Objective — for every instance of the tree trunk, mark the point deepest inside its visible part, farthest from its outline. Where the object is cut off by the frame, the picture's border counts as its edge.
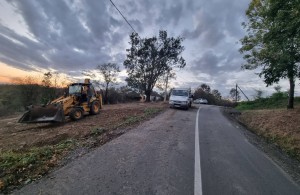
(106, 94)
(166, 87)
(148, 94)
(291, 93)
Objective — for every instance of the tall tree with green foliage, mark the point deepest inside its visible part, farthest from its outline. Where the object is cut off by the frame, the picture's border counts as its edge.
(205, 88)
(273, 41)
(216, 94)
(148, 59)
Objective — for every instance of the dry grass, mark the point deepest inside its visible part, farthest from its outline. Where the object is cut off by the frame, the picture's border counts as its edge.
(280, 126)
(28, 151)
(17, 136)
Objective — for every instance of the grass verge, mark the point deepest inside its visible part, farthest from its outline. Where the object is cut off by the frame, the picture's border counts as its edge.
(151, 111)
(266, 103)
(137, 118)
(22, 167)
(278, 126)
(18, 167)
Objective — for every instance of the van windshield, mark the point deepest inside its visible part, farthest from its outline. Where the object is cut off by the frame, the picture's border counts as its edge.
(179, 93)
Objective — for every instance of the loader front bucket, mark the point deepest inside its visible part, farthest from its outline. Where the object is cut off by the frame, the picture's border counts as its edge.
(43, 114)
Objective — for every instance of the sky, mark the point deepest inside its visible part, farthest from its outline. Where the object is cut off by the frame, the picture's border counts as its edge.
(69, 36)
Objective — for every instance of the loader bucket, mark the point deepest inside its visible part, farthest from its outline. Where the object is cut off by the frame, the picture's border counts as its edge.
(43, 114)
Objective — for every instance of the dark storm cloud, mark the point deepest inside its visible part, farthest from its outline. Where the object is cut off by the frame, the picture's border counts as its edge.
(138, 26)
(215, 33)
(171, 14)
(67, 36)
(74, 35)
(213, 19)
(78, 35)
(18, 51)
(207, 28)
(214, 64)
(207, 63)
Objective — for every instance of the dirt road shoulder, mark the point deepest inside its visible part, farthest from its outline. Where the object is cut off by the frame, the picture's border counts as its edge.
(289, 164)
(29, 151)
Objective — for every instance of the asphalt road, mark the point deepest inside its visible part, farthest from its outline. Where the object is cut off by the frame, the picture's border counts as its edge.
(158, 157)
(232, 165)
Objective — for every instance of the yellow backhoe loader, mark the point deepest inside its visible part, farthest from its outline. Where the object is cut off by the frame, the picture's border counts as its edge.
(81, 98)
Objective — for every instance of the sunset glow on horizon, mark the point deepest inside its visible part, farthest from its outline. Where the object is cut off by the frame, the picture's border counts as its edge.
(8, 74)
(11, 75)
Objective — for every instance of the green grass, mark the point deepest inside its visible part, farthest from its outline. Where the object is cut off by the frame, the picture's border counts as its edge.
(266, 103)
(97, 131)
(131, 120)
(19, 166)
(151, 111)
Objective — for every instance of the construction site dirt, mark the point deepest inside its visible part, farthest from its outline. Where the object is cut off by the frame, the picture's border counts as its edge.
(15, 136)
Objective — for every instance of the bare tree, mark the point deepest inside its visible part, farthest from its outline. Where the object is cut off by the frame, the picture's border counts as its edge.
(47, 79)
(109, 71)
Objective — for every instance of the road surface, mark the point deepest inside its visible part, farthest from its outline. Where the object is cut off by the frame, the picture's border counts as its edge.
(163, 156)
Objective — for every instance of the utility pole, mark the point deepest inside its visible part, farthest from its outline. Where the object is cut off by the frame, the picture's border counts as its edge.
(236, 92)
(243, 93)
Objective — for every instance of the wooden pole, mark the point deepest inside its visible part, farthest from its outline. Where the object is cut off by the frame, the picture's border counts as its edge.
(236, 93)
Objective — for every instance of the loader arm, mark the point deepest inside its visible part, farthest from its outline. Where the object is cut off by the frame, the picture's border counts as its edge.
(68, 103)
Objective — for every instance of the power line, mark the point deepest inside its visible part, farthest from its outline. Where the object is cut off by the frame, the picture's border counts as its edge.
(133, 28)
(122, 16)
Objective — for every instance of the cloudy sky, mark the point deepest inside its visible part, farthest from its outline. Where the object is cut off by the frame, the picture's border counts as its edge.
(69, 36)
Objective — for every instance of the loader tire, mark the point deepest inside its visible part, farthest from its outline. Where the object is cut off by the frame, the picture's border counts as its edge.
(76, 114)
(95, 107)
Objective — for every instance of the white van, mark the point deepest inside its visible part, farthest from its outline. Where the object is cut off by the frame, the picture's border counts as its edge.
(181, 98)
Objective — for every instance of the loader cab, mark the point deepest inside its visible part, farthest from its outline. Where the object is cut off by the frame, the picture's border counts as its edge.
(80, 91)
(75, 89)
